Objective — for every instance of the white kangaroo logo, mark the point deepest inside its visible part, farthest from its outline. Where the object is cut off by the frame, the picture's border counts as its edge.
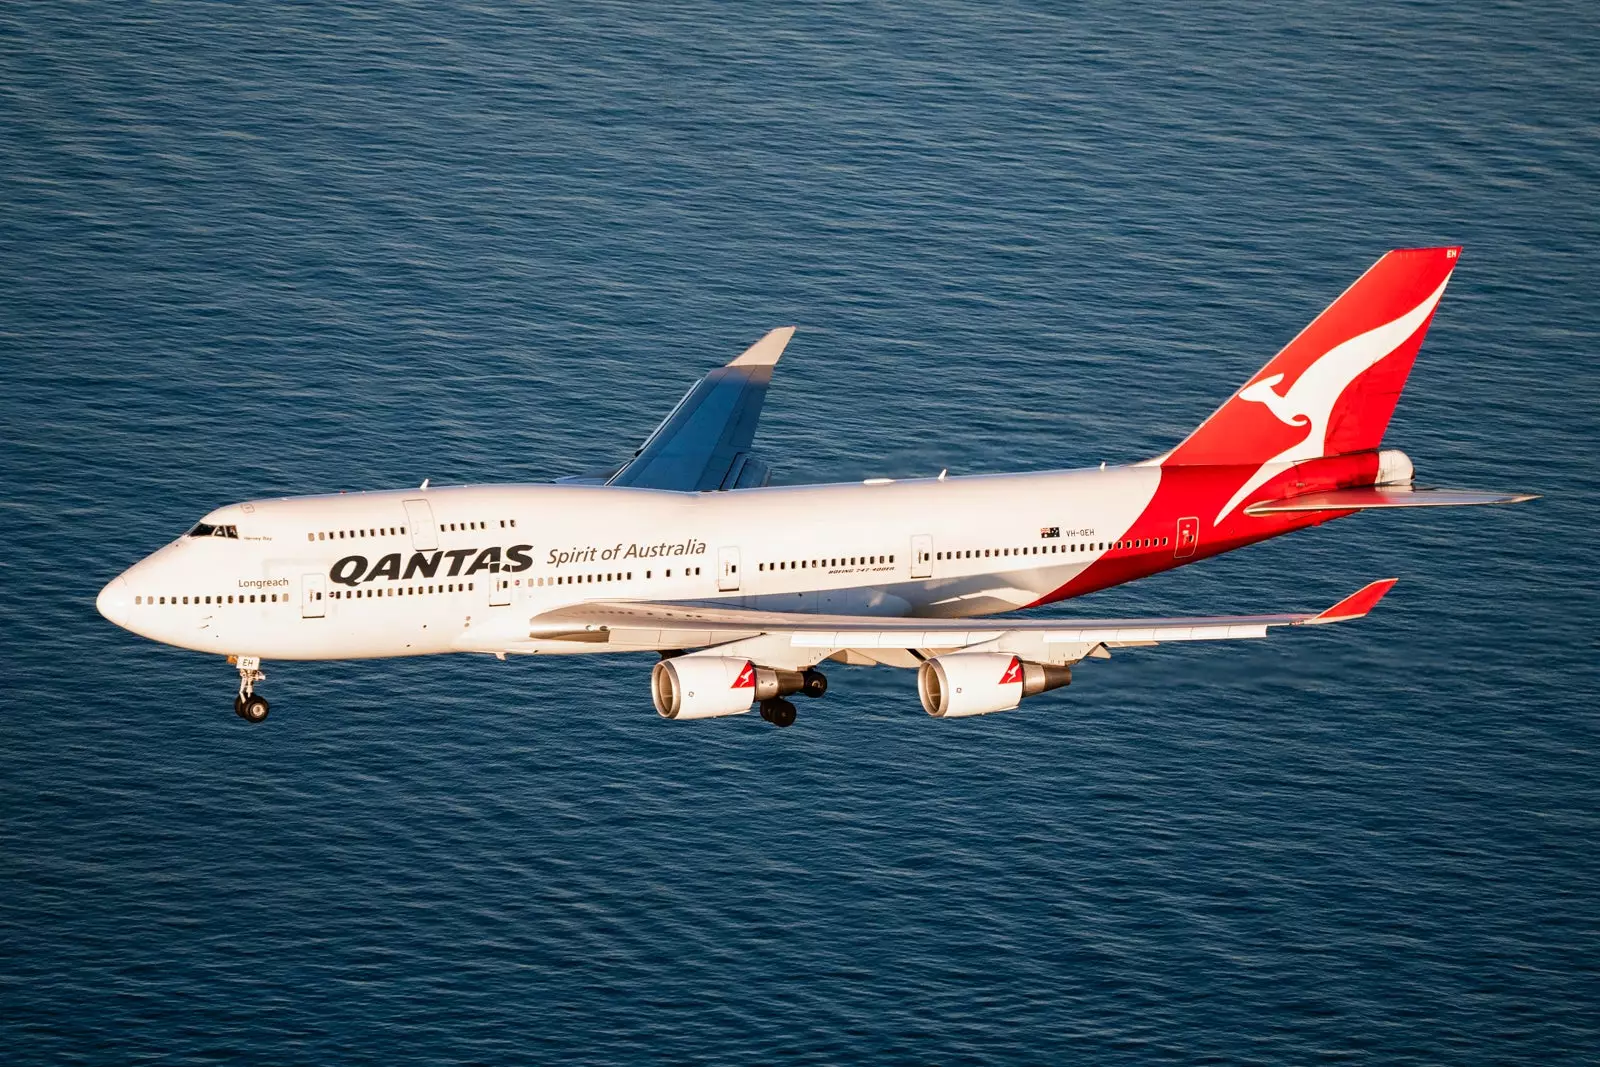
(1311, 399)
(1286, 408)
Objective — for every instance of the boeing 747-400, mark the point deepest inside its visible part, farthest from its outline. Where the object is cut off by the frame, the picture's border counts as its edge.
(744, 589)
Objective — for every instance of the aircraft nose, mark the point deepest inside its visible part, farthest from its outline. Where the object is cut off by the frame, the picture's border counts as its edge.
(114, 601)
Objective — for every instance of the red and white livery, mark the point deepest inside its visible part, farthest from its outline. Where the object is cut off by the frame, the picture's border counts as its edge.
(744, 589)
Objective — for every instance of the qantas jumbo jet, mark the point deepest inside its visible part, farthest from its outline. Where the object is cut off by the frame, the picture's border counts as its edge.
(743, 589)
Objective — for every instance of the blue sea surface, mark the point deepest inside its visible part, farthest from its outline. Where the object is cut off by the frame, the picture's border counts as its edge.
(261, 249)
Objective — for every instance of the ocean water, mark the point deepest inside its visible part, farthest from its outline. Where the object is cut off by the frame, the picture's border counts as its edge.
(262, 249)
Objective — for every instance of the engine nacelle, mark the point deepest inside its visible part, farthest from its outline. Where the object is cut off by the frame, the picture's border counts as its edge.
(977, 683)
(702, 687)
(706, 687)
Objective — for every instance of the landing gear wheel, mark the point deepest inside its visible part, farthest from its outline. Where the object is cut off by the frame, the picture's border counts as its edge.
(778, 712)
(253, 709)
(247, 705)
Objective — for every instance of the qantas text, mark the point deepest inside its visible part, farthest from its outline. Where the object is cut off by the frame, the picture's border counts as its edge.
(353, 570)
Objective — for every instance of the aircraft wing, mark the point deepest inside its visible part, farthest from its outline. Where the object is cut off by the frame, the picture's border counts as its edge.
(792, 639)
(703, 444)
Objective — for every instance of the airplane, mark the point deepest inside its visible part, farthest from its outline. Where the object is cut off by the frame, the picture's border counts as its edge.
(743, 589)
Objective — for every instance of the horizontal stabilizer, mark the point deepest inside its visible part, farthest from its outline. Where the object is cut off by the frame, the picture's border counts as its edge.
(1385, 496)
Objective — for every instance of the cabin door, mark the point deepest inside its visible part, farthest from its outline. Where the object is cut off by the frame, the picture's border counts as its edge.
(922, 556)
(419, 520)
(728, 569)
(499, 592)
(1188, 537)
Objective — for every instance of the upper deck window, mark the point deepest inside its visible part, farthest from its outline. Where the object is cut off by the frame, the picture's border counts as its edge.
(205, 529)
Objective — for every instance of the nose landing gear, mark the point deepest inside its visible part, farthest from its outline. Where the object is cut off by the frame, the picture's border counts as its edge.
(249, 705)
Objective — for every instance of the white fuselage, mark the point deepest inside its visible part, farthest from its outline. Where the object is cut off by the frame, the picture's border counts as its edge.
(465, 568)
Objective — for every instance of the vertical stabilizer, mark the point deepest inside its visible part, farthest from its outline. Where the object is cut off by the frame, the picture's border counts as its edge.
(1332, 390)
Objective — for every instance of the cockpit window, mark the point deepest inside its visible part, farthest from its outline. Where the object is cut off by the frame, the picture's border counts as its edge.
(205, 529)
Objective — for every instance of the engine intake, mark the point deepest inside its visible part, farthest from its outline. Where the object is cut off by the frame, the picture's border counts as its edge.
(977, 683)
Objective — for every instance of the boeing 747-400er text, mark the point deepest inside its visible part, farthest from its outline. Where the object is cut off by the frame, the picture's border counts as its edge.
(743, 589)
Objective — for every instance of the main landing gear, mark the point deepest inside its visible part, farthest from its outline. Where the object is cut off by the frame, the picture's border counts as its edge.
(779, 712)
(249, 705)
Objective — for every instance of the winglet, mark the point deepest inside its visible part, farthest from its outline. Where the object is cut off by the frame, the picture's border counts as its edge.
(1356, 604)
(765, 352)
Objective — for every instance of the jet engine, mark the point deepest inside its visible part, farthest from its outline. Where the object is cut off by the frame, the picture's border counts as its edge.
(706, 687)
(976, 683)
(702, 687)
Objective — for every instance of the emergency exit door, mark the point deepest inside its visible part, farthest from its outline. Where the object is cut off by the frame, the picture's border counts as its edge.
(728, 569)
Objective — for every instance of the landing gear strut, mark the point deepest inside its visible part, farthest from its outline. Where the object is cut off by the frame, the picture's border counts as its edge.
(250, 705)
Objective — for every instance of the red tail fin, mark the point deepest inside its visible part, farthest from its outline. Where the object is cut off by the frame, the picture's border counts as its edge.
(1333, 388)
